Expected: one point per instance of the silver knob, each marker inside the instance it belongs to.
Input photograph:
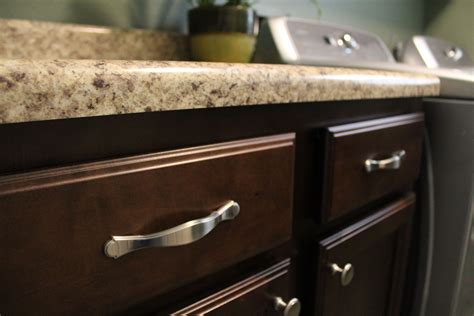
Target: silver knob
(331, 40)
(348, 41)
(292, 308)
(346, 273)
(454, 53)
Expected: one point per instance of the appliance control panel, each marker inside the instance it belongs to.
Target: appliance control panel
(433, 53)
(301, 41)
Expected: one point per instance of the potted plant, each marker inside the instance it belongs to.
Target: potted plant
(222, 33)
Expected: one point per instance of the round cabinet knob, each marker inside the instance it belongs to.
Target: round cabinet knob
(346, 273)
(292, 308)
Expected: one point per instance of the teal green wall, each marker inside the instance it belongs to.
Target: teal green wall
(393, 20)
(452, 20)
(162, 14)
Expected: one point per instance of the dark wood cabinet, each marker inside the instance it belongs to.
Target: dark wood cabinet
(254, 296)
(68, 186)
(362, 267)
(63, 217)
(392, 145)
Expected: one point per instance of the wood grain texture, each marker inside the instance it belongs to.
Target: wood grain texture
(28, 146)
(377, 247)
(36, 145)
(54, 224)
(347, 184)
(252, 296)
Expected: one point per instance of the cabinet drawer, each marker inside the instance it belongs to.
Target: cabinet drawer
(255, 295)
(370, 159)
(362, 268)
(54, 224)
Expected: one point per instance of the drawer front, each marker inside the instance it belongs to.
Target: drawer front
(55, 223)
(362, 268)
(368, 160)
(255, 295)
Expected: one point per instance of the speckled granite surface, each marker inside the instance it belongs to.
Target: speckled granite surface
(47, 40)
(32, 90)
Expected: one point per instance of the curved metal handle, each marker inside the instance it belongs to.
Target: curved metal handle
(183, 234)
(292, 308)
(394, 162)
(346, 273)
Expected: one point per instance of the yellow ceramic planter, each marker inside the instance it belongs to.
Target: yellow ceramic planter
(223, 47)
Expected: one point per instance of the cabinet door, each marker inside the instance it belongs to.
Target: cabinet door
(362, 267)
(368, 160)
(56, 249)
(265, 293)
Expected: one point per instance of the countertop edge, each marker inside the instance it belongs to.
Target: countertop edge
(38, 90)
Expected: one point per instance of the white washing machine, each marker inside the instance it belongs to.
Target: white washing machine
(445, 285)
(450, 123)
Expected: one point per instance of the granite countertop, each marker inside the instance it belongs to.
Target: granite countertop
(23, 39)
(35, 90)
(54, 71)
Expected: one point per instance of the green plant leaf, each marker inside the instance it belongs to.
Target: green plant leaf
(245, 3)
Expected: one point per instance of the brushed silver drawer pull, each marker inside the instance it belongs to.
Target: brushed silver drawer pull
(183, 234)
(394, 162)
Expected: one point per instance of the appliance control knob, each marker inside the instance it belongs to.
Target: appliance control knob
(454, 53)
(348, 41)
(330, 40)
